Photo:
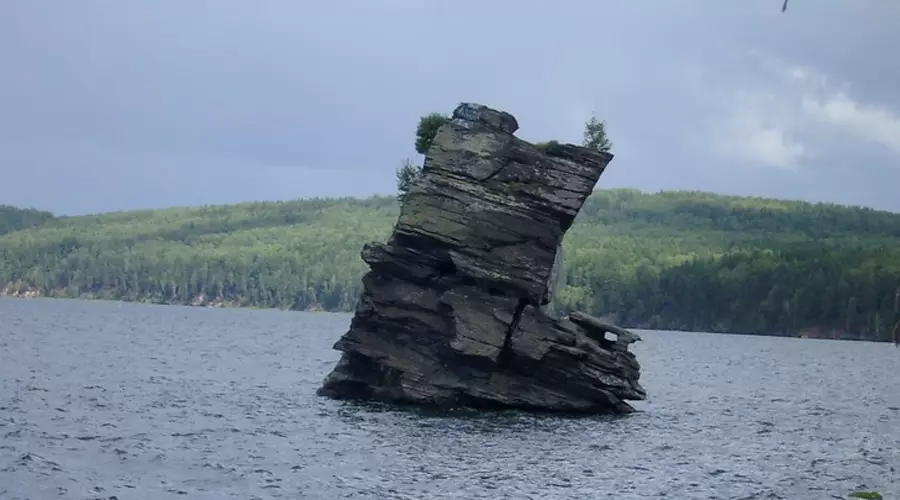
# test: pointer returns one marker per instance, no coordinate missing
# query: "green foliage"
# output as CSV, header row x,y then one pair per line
x,y
12,218
673,260
293,255
406,176
546,145
868,495
896,331
595,135
427,129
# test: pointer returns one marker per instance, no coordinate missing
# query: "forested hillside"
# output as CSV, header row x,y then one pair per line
x,y
673,260
13,218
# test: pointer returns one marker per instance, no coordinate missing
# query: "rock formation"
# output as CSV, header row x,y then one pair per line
x,y
451,312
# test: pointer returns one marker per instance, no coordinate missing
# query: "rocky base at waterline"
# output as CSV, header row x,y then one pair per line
x,y
451,312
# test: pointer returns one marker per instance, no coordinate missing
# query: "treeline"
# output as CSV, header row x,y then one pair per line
x,y
806,289
294,255
14,218
673,260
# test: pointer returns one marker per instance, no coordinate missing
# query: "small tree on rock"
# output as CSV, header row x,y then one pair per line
x,y
427,129
406,175
408,172
595,135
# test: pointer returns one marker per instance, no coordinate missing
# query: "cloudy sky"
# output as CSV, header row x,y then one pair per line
x,y
111,104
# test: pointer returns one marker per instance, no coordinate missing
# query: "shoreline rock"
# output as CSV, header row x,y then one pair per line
x,y
452,308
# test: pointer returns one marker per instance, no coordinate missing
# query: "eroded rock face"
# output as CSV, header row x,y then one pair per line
x,y
451,310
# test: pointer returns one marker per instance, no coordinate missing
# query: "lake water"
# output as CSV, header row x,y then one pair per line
x,y
103,399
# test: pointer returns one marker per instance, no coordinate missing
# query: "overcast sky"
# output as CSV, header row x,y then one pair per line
x,y
111,104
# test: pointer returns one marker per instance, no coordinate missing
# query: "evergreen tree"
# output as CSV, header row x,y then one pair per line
x,y
595,135
406,176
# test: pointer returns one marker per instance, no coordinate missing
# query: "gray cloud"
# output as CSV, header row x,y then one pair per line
x,y
114,105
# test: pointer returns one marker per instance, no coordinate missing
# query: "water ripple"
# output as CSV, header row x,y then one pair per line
x,y
106,400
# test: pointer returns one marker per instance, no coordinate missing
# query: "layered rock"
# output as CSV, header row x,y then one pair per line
x,y
451,311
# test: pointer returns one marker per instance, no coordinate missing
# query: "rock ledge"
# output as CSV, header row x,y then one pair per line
x,y
451,311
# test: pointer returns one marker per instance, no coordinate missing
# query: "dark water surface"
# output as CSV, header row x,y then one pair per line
x,y
102,399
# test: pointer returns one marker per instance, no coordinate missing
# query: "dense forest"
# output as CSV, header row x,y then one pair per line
x,y
671,260
13,219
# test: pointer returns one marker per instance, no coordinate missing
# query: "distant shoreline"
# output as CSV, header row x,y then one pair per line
x,y
223,304
199,302
685,261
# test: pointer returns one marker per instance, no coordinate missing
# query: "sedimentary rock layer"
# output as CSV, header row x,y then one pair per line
x,y
451,310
